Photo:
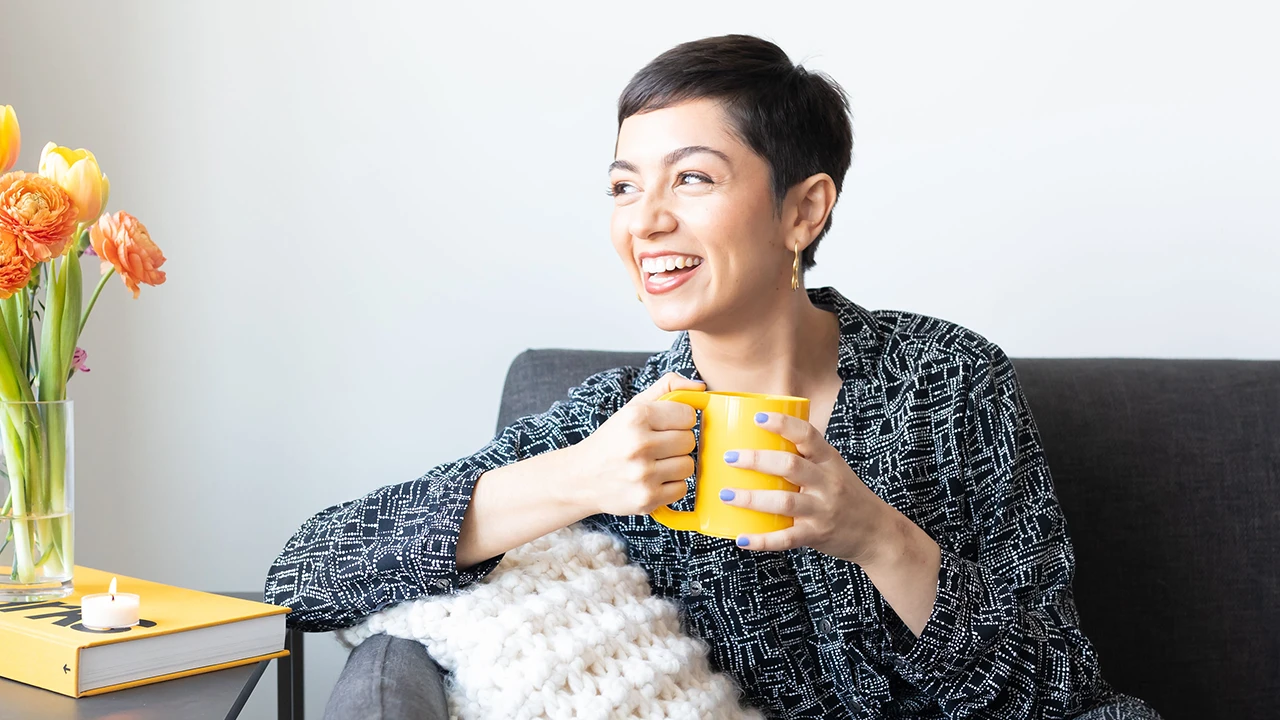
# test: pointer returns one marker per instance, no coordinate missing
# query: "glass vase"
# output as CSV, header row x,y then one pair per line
x,y
37,525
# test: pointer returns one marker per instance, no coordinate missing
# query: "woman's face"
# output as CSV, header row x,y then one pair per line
x,y
685,187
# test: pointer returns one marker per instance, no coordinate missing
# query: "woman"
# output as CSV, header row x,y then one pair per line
x,y
928,572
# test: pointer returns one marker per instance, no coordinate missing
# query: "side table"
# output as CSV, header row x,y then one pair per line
x,y
219,695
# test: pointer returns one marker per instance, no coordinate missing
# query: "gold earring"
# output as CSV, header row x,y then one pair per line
x,y
795,269
638,297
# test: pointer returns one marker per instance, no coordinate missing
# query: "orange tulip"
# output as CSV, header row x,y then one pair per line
x,y
39,212
10,138
123,242
15,266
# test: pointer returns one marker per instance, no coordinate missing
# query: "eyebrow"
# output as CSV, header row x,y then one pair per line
x,y
673,157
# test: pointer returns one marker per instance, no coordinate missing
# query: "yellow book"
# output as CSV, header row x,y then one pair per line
x,y
181,632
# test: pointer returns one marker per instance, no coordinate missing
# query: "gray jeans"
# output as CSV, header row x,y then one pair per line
x,y
388,678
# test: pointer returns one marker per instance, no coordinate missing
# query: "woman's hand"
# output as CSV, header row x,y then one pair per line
x,y
639,458
834,511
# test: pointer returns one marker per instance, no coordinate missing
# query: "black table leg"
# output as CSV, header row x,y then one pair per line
x,y
247,690
289,693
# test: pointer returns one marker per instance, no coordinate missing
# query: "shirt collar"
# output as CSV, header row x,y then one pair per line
x,y
860,339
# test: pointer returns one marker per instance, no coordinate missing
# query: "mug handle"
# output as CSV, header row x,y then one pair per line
x,y
681,519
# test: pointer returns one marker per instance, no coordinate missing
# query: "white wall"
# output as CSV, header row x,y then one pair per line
x,y
357,204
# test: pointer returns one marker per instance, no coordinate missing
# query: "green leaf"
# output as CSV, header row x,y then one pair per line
x,y
51,337
11,388
11,312
71,303
46,555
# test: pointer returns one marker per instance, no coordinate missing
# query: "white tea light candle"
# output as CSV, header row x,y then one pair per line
x,y
104,611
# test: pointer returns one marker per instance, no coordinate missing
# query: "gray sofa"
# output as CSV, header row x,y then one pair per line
x,y
1168,472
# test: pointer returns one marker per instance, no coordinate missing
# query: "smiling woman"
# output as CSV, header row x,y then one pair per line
x,y
927,572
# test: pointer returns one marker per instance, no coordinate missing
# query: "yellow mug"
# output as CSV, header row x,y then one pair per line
x,y
728,423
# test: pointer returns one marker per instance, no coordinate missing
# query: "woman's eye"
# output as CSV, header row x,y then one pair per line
x,y
686,178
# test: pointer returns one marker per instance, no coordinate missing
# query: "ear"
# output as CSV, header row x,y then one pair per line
x,y
809,203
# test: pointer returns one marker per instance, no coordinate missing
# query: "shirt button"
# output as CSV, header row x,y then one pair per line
x,y
855,705
824,626
695,588
441,583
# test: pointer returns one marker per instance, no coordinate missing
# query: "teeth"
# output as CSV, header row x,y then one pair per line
x,y
668,263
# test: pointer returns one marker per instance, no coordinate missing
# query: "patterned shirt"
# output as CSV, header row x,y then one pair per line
x,y
929,415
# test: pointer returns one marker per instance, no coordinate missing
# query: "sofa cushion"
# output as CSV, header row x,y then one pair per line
x,y
1168,472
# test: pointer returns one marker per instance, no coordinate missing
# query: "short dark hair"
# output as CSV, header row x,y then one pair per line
x,y
798,121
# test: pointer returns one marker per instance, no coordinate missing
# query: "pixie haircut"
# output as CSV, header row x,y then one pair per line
x,y
797,121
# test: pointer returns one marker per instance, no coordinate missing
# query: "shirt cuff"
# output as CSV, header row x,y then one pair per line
x,y
430,559
972,611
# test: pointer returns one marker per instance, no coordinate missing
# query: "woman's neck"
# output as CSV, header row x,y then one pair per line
x,y
787,348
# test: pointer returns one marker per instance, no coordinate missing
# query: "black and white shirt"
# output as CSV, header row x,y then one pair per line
x,y
931,417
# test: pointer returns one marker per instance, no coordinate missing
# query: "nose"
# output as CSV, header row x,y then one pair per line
x,y
651,217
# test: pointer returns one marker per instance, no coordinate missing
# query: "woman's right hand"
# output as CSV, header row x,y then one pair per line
x,y
639,458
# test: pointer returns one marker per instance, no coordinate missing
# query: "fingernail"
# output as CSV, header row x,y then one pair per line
x,y
731,456
762,417
726,494
742,542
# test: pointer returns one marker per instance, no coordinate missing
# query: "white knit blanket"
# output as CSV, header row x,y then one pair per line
x,y
564,627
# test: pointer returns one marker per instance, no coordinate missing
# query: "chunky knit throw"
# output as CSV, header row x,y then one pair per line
x,y
564,627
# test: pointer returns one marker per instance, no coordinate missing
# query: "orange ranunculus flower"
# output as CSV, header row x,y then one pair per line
x,y
10,138
15,266
121,241
40,213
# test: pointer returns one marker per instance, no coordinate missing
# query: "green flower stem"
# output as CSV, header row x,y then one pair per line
x,y
65,324
30,358
59,525
39,480
8,538
59,530
94,298
41,435
22,338
13,427
23,563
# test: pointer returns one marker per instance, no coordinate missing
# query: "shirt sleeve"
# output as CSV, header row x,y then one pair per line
x,y
400,542
1004,639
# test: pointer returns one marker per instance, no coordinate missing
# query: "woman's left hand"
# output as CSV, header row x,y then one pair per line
x,y
834,511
